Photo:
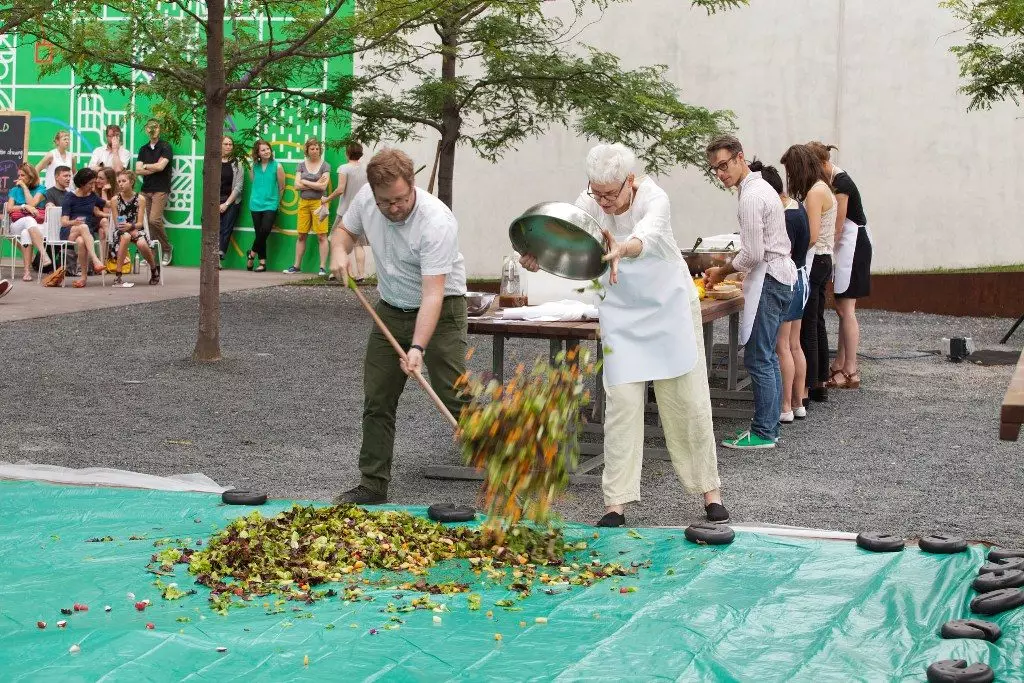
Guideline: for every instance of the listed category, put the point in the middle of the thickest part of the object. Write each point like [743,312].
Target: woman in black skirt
[852,278]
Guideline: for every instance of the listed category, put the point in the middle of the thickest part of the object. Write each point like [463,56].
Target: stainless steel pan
[564,239]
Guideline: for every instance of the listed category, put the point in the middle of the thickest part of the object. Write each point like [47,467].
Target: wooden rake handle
[401,354]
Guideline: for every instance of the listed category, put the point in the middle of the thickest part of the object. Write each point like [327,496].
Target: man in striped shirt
[764,241]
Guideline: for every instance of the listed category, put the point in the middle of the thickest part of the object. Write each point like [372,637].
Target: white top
[649,218]
[103,157]
[827,234]
[355,177]
[425,243]
[50,179]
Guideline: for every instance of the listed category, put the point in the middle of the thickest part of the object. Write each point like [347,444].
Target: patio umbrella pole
[401,354]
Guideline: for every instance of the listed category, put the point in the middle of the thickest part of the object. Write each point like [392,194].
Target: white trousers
[21,227]
[684,405]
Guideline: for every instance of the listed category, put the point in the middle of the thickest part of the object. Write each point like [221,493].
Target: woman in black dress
[852,279]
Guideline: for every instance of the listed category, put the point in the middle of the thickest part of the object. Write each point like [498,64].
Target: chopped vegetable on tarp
[764,608]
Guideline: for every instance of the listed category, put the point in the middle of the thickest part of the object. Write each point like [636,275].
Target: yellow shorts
[308,221]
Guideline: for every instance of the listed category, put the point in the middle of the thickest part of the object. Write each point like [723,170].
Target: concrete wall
[940,186]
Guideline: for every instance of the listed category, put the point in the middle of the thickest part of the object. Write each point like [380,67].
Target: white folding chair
[15,241]
[53,240]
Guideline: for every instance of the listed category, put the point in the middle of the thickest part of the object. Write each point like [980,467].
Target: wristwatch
[417,347]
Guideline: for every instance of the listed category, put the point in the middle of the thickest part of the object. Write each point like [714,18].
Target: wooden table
[1011,416]
[568,335]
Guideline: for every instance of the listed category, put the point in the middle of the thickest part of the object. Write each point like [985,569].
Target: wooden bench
[1012,415]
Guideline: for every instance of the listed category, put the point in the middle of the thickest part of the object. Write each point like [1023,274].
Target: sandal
[98,270]
[250,257]
[849,381]
[79,284]
[27,277]
[832,382]
[262,267]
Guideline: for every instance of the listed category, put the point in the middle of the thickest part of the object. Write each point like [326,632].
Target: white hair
[610,163]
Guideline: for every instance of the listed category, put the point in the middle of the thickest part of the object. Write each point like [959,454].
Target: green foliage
[992,57]
[529,73]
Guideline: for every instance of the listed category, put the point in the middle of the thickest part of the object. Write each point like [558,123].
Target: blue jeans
[227,226]
[761,360]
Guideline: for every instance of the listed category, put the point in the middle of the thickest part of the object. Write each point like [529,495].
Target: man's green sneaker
[747,440]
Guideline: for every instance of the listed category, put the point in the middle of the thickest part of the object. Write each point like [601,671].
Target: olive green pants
[384,381]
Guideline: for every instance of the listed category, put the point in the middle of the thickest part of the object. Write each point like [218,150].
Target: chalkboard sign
[13,148]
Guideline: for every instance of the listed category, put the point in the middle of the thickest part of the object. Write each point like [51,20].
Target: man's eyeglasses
[384,205]
[606,196]
[724,166]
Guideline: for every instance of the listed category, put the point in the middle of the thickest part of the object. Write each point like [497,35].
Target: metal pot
[565,240]
[700,261]
[477,303]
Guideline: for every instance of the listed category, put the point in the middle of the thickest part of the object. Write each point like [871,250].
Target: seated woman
[25,206]
[131,208]
[106,188]
[81,216]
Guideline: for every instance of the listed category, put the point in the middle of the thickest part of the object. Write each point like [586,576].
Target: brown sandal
[832,383]
[849,381]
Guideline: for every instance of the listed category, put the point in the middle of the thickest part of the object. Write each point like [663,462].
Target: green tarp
[765,608]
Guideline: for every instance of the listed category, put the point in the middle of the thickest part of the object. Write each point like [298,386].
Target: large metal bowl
[565,240]
[700,261]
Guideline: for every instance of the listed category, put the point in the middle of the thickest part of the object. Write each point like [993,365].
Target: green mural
[55,103]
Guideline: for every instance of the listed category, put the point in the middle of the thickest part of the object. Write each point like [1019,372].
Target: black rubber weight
[447,512]
[1002,565]
[709,534]
[243,497]
[942,544]
[998,601]
[959,671]
[993,581]
[1004,553]
[971,628]
[880,543]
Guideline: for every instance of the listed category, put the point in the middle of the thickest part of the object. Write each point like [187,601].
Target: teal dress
[265,195]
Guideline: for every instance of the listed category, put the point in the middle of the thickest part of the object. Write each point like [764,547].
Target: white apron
[844,251]
[646,325]
[804,275]
[753,283]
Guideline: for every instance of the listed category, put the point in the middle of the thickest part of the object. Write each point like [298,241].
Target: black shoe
[806,402]
[361,495]
[612,519]
[819,394]
[716,513]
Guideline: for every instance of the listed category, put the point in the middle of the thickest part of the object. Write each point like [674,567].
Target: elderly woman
[651,325]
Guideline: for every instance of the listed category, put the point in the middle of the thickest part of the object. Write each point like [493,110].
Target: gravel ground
[915,451]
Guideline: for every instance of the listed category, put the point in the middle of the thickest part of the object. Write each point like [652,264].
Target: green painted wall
[55,104]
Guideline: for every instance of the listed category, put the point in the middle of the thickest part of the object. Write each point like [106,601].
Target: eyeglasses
[383,205]
[606,196]
[724,166]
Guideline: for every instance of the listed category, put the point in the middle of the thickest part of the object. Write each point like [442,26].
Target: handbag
[18,214]
[56,278]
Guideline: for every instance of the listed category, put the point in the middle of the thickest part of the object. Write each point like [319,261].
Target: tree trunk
[208,337]
[451,120]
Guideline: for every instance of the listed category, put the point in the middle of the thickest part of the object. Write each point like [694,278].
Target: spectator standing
[156,159]
[57,157]
[351,178]
[791,354]
[25,207]
[62,183]
[230,193]
[131,208]
[852,269]
[268,182]
[311,180]
[81,213]
[807,182]
[767,288]
[113,154]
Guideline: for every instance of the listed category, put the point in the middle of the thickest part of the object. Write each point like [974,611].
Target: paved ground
[32,300]
[914,451]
